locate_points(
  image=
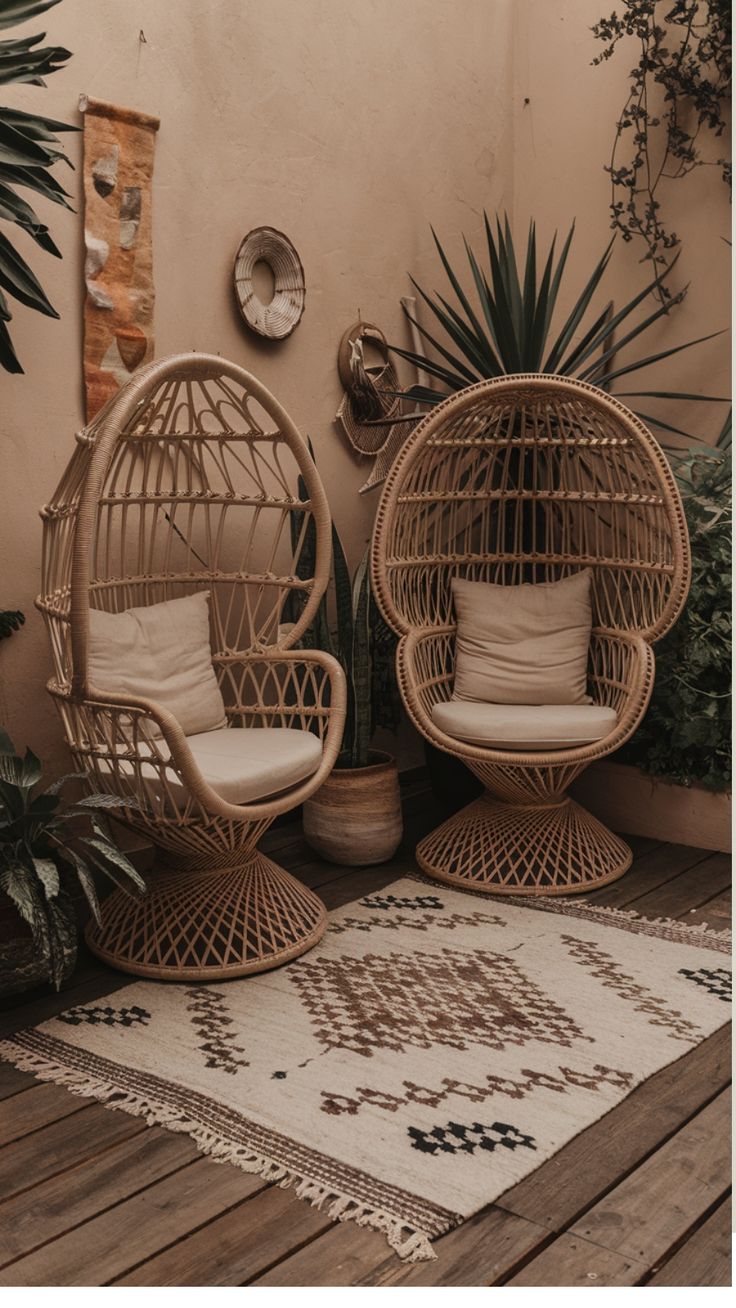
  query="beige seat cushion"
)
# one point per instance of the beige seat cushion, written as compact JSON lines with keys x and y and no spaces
{"x":524,"y":726}
{"x":246,"y":763}
{"x":160,"y":652}
{"x":522,"y":644}
{"x":241,"y":764}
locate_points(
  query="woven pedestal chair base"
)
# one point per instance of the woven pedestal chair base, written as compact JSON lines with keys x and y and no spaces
{"x":519,"y":849}
{"x":209,"y":925}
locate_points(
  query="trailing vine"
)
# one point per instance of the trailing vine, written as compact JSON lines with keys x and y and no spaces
{"x":680,"y":85}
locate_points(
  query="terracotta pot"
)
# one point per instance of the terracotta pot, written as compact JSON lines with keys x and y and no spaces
{"x":355,"y":816}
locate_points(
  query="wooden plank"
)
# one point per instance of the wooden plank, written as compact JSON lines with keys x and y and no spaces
{"x":715,"y":913}
{"x":482,"y":1251}
{"x":573,"y":1262}
{"x":688,"y":890}
{"x":573,"y":1179}
{"x":104,"y":982}
{"x":12,"y":1081}
{"x":108,"y":1245}
{"x":626,"y":799}
{"x":71,"y":1197}
{"x":647,"y":873}
{"x":655,"y":1206}
{"x":236,"y":1246}
{"x":36,"y":1107}
{"x":64,"y":1144}
{"x":343,"y":1256}
{"x":705,"y":1257}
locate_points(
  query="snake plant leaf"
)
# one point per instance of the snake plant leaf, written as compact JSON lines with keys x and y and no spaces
{"x":19,"y":11}
{"x":361,"y":663}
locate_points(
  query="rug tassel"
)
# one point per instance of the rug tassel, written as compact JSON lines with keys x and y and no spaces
{"x":410,"y":1244}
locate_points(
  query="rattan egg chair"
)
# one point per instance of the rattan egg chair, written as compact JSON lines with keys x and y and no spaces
{"x":189,"y":480}
{"x":517,"y":480}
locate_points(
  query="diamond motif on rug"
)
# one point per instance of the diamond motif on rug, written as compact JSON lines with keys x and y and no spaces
{"x":454,"y":997}
{"x":453,"y":1138}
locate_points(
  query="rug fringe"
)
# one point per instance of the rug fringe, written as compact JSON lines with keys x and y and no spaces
{"x":631,"y":915}
{"x":409,"y":1243}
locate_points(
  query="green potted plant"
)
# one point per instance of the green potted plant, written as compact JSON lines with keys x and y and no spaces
{"x":42,"y":846}
{"x":355,"y":816}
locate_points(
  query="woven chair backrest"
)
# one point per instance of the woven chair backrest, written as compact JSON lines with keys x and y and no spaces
{"x":528,"y":479}
{"x":192,"y":478}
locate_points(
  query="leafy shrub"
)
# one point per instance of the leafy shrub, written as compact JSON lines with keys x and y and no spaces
{"x":686,"y":733}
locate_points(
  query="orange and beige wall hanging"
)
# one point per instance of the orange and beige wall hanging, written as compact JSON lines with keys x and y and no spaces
{"x":118,"y":270}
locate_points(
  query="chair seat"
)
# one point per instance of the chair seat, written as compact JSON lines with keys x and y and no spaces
{"x":243,"y":764}
{"x":524,"y":726}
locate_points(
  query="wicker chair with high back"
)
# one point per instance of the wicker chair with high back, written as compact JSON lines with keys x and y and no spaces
{"x":529,"y":479}
{"x":193,"y":479}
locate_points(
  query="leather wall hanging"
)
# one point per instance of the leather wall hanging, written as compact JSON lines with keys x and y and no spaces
{"x":277,"y":319}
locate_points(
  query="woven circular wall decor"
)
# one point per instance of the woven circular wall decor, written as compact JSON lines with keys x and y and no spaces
{"x":277,"y":319}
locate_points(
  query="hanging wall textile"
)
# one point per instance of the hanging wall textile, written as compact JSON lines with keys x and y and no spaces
{"x":280,"y":316}
{"x":431,"y":1051}
{"x":118,"y":269}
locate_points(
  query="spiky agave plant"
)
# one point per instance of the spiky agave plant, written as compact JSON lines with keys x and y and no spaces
{"x":28,"y":150}
{"x":509,"y":328}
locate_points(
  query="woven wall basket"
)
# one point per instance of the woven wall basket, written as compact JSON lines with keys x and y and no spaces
{"x":277,"y":319}
{"x":363,"y":437}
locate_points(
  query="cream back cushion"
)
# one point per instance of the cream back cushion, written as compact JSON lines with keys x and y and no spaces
{"x":523,"y":644}
{"x":160,"y":652}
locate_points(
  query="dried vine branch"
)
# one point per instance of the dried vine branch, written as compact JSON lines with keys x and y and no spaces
{"x":680,"y":85}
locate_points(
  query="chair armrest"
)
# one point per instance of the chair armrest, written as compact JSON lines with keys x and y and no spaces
{"x":621,"y":677}
{"x":425,"y":665}
{"x":112,"y":739}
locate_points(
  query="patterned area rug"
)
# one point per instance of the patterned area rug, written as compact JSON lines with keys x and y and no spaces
{"x":433,"y":1050}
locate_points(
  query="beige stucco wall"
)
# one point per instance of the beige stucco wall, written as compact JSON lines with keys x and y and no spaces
{"x":351,"y":128}
{"x":562,"y":138}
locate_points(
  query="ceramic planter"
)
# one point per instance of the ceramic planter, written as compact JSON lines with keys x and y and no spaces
{"x":355,"y":816}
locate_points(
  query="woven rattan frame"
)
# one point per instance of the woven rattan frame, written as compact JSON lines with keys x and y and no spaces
{"x":527,"y":479}
{"x":189,"y":480}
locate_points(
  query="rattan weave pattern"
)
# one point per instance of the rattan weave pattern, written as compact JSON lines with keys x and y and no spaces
{"x":528,"y":479}
{"x":188,"y":481}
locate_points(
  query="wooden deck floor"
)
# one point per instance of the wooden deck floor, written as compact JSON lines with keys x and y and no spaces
{"x":93,"y":1197}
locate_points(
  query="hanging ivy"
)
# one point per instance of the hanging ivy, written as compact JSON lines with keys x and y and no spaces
{"x":678,"y":93}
